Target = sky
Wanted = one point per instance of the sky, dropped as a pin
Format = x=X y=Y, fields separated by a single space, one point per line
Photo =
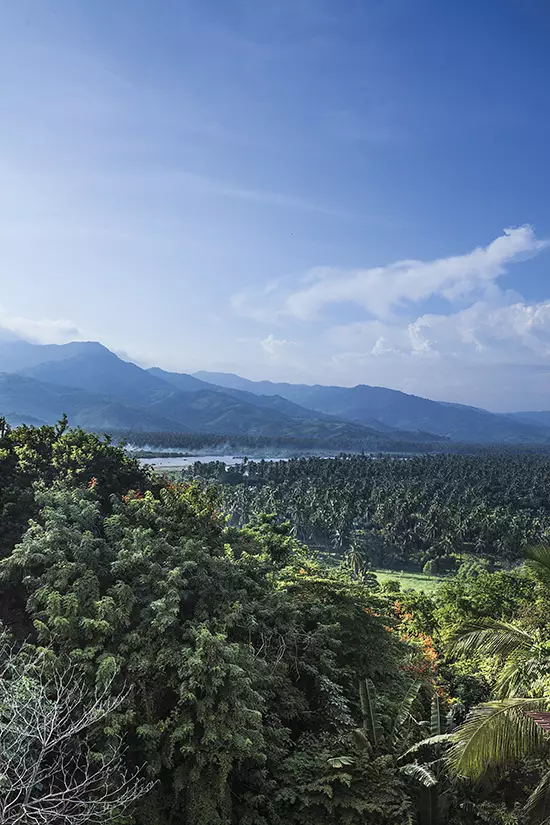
x=299 y=190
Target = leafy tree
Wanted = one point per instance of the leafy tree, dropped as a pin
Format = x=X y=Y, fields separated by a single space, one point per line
x=239 y=645
x=29 y=455
x=243 y=646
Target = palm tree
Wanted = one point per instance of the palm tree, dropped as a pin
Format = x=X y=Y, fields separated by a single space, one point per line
x=510 y=726
x=356 y=561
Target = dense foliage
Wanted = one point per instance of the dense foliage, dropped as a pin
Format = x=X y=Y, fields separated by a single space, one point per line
x=262 y=686
x=399 y=512
x=244 y=654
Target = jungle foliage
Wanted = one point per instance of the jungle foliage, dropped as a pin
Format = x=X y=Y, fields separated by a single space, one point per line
x=261 y=685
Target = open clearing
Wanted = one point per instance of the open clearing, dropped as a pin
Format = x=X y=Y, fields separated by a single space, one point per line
x=416 y=581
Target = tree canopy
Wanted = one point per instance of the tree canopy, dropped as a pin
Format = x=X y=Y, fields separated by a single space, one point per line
x=264 y=682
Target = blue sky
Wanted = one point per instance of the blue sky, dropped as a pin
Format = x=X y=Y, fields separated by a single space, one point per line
x=300 y=190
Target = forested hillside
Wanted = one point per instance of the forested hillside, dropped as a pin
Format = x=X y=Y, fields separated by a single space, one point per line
x=197 y=672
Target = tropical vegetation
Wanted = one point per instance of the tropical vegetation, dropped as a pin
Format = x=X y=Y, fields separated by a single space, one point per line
x=210 y=665
x=418 y=512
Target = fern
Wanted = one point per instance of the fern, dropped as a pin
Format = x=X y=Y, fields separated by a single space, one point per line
x=430 y=741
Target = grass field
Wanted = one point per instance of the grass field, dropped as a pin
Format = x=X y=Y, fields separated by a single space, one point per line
x=416 y=581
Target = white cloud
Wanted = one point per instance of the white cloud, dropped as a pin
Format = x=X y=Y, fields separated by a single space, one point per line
x=515 y=333
x=39 y=331
x=490 y=348
x=380 y=290
x=484 y=333
x=493 y=354
x=275 y=346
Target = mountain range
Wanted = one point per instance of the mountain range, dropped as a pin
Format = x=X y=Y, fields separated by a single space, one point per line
x=101 y=391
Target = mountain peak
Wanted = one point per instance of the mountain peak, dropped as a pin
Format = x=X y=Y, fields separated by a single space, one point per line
x=98 y=385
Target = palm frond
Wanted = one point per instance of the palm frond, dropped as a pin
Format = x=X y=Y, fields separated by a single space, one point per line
x=537 y=806
x=538 y=560
x=495 y=734
x=512 y=677
x=421 y=773
x=492 y=637
x=403 y=714
x=371 y=723
x=429 y=742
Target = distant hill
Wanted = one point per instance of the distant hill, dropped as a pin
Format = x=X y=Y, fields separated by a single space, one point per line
x=23 y=399
x=20 y=355
x=100 y=371
x=364 y=405
x=539 y=418
x=180 y=380
x=273 y=402
x=101 y=391
x=213 y=411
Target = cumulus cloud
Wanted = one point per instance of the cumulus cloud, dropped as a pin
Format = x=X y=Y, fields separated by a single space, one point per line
x=487 y=346
x=484 y=332
x=380 y=290
x=275 y=346
x=492 y=354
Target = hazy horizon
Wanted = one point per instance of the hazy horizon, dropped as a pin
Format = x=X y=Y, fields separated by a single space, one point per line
x=13 y=338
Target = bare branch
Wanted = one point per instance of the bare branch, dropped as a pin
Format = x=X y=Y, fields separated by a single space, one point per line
x=49 y=774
